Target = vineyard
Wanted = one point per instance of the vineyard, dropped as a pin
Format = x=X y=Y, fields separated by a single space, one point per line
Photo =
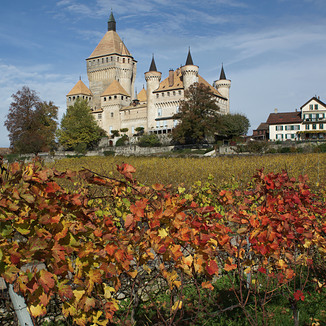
x=220 y=170
x=159 y=241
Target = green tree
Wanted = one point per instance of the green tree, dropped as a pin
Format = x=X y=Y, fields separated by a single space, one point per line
x=198 y=115
x=78 y=126
x=233 y=125
x=31 y=123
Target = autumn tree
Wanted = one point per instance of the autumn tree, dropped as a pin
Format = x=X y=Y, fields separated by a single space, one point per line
x=78 y=127
x=31 y=122
x=198 y=115
x=233 y=125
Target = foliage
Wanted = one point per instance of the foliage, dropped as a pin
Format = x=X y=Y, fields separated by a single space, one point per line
x=122 y=141
x=140 y=131
x=233 y=125
x=31 y=123
x=115 y=133
x=198 y=115
x=124 y=130
x=78 y=126
x=150 y=140
x=114 y=247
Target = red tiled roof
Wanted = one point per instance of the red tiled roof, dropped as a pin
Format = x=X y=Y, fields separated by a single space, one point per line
x=284 y=117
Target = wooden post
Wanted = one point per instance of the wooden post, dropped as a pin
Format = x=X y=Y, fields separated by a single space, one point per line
x=20 y=307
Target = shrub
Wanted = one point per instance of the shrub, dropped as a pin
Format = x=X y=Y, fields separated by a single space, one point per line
x=149 y=141
x=122 y=141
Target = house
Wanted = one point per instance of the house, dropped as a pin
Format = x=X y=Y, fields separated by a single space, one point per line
x=308 y=123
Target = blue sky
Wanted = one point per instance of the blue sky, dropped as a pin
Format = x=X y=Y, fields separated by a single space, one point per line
x=272 y=50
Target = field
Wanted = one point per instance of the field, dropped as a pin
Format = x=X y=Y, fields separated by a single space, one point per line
x=220 y=170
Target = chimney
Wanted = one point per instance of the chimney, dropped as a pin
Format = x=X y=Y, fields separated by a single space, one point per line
x=275 y=110
x=171 y=77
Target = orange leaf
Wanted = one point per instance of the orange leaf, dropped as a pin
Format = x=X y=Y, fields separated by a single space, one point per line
x=212 y=267
x=207 y=285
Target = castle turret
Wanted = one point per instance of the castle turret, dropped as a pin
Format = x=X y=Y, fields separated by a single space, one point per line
x=110 y=61
x=153 y=78
x=189 y=72
x=223 y=86
x=79 y=91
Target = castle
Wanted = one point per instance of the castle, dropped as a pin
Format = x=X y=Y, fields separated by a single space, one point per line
x=111 y=71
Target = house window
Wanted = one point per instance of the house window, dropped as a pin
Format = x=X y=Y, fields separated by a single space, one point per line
x=316 y=106
x=321 y=126
x=307 y=127
x=111 y=114
x=278 y=128
x=279 y=136
x=311 y=107
x=314 y=126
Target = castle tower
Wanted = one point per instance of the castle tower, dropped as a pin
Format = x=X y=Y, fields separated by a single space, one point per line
x=80 y=90
x=189 y=72
x=153 y=78
x=223 y=86
x=110 y=61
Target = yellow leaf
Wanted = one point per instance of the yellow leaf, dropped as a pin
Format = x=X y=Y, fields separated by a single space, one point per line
x=133 y=274
x=78 y=294
x=162 y=233
x=107 y=291
x=38 y=310
x=177 y=305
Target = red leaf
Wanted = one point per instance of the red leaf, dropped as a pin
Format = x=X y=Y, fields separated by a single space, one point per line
x=46 y=280
x=52 y=187
x=298 y=295
x=212 y=267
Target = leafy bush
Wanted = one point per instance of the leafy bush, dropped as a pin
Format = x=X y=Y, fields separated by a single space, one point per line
x=122 y=141
x=149 y=141
x=108 y=153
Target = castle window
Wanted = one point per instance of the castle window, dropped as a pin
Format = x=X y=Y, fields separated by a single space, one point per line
x=157 y=95
x=111 y=114
x=115 y=96
x=107 y=59
x=111 y=58
x=102 y=60
x=162 y=94
x=77 y=96
x=69 y=99
x=179 y=92
x=98 y=60
x=110 y=97
x=173 y=93
x=159 y=112
x=168 y=93
x=157 y=124
x=104 y=99
x=123 y=60
x=132 y=130
x=121 y=97
x=73 y=98
x=83 y=97
x=99 y=116
x=118 y=59
x=128 y=60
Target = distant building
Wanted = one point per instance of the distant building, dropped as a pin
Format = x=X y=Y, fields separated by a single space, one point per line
x=111 y=71
x=307 y=124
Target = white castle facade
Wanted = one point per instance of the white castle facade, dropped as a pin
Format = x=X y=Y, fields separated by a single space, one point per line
x=111 y=71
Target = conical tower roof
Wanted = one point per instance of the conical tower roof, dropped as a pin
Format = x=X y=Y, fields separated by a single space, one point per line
x=112 y=26
x=153 y=65
x=142 y=95
x=115 y=88
x=222 y=75
x=189 y=61
x=80 y=88
x=111 y=43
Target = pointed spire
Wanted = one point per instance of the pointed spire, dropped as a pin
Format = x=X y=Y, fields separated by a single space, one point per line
x=189 y=59
x=222 y=75
x=112 y=23
x=153 y=65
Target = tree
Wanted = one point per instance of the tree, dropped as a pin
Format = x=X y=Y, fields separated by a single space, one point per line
x=233 y=125
x=198 y=115
x=31 y=122
x=78 y=127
